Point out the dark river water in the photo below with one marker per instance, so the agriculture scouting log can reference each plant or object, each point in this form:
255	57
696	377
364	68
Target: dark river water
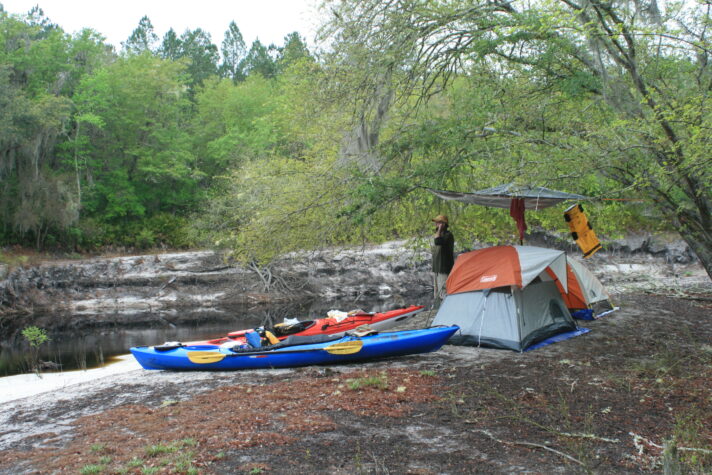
90	347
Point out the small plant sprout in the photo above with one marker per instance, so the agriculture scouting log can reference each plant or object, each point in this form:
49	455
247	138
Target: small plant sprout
35	337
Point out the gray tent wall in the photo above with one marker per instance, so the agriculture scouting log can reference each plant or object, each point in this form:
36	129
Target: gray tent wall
506	317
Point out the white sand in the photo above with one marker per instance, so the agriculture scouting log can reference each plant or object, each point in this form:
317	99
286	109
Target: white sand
25	385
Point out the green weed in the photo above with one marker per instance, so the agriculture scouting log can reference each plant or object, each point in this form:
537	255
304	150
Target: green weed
135	462
91	469
689	432
96	448
35	336
159	449
379	382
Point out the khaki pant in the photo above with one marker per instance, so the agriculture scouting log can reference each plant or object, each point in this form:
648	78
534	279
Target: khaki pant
439	291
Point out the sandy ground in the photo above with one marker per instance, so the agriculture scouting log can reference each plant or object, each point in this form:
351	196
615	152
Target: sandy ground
604	402
25	385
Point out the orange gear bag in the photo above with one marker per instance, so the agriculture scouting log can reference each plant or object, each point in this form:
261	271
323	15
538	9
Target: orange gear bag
581	230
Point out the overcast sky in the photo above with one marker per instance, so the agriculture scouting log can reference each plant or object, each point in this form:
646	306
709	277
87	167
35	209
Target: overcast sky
268	20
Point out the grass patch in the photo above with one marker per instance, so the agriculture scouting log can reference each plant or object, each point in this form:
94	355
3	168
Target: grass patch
91	469
173	456
690	432
379	382
98	448
160	449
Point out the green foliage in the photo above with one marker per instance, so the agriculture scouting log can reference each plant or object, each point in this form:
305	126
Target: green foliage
293	51
170	47
233	52
98	448
91	469
276	150
139	159
159	449
601	91
35	336
232	123
689	431
259	62
196	46
379	382
143	39
159	230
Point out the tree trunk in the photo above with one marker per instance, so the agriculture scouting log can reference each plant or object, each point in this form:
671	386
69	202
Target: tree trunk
699	238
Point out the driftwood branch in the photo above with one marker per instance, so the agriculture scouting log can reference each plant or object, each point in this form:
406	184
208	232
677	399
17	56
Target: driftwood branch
274	281
531	444
265	276
637	439
588	436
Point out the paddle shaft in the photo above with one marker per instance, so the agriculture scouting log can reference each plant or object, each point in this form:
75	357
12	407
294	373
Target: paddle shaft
343	348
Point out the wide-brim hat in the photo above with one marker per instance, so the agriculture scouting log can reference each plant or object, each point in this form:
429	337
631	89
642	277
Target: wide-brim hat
441	218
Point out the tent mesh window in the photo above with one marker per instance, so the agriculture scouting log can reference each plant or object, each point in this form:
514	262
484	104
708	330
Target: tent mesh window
555	310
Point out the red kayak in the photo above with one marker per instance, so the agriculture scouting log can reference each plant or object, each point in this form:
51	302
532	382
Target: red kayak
335	325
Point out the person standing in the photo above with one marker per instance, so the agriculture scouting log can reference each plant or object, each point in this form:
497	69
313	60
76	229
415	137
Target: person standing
443	255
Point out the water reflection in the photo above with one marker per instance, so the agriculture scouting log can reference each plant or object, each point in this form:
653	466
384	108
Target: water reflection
88	346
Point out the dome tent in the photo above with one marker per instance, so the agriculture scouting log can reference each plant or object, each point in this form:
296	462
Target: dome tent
505	297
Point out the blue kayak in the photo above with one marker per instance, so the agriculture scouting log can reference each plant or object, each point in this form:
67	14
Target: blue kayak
289	353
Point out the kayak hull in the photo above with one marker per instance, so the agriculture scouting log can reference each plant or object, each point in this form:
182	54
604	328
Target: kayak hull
381	345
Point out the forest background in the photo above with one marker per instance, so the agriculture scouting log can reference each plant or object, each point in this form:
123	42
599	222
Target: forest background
177	143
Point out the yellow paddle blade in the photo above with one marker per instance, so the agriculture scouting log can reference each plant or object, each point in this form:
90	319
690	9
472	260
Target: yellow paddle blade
345	348
205	357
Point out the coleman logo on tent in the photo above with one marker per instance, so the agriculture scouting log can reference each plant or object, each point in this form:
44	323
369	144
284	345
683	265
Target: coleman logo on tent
488	278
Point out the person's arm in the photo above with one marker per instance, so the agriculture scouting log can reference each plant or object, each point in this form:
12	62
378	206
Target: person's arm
441	237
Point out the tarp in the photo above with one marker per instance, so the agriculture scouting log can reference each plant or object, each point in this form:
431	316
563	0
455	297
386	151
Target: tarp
558	338
535	197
